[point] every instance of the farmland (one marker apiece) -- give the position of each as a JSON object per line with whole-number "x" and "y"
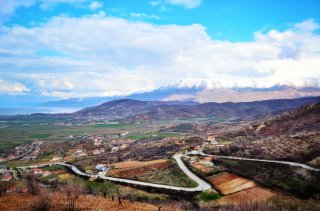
{"x": 228, "y": 183}
{"x": 131, "y": 169}
{"x": 292, "y": 180}
{"x": 20, "y": 132}
{"x": 155, "y": 171}
{"x": 251, "y": 195}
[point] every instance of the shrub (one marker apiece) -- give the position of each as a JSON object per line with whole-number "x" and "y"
{"x": 205, "y": 196}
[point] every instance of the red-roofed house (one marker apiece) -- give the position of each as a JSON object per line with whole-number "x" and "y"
{"x": 37, "y": 171}
{"x": 11, "y": 156}
{"x": 6, "y": 178}
{"x": 12, "y": 190}
{"x": 24, "y": 190}
{"x": 46, "y": 173}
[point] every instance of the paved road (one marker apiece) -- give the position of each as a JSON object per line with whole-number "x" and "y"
{"x": 257, "y": 160}
{"x": 20, "y": 156}
{"x": 202, "y": 185}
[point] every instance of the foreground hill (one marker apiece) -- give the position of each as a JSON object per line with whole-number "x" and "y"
{"x": 292, "y": 135}
{"x": 121, "y": 109}
{"x": 298, "y": 120}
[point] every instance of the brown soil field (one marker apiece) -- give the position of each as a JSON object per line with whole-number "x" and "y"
{"x": 202, "y": 168}
{"x": 130, "y": 169}
{"x": 126, "y": 164}
{"x": 227, "y": 183}
{"x": 249, "y": 196}
{"x": 85, "y": 202}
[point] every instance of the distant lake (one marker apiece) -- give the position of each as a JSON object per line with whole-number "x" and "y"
{"x": 31, "y": 110}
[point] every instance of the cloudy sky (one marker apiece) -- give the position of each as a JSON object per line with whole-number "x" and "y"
{"x": 56, "y": 49}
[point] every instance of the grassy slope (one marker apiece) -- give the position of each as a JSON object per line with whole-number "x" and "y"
{"x": 171, "y": 175}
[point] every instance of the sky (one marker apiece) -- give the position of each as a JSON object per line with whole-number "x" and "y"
{"x": 58, "y": 49}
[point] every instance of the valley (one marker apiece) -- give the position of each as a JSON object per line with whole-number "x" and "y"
{"x": 221, "y": 160}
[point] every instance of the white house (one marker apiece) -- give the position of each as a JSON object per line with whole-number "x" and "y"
{"x": 114, "y": 149}
{"x": 101, "y": 167}
{"x": 206, "y": 163}
{"x": 56, "y": 157}
{"x": 96, "y": 152}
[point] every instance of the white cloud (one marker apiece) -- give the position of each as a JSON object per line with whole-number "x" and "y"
{"x": 95, "y": 5}
{"x": 8, "y": 7}
{"x": 164, "y": 5}
{"x": 144, "y": 16}
{"x": 99, "y": 55}
{"x": 14, "y": 88}
{"x": 189, "y": 4}
{"x": 307, "y": 26}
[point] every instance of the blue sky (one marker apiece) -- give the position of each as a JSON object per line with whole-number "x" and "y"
{"x": 225, "y": 20}
{"x": 53, "y": 49}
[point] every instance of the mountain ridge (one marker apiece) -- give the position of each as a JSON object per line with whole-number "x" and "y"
{"x": 128, "y": 108}
{"x": 198, "y": 94}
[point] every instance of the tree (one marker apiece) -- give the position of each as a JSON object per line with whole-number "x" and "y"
{"x": 119, "y": 196}
{"x": 32, "y": 185}
{"x": 4, "y": 186}
{"x": 43, "y": 202}
{"x": 104, "y": 188}
{"x": 73, "y": 191}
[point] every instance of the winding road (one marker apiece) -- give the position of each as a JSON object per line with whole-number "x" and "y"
{"x": 257, "y": 160}
{"x": 202, "y": 185}
{"x": 18, "y": 157}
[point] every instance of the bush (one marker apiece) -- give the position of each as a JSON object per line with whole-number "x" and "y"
{"x": 205, "y": 196}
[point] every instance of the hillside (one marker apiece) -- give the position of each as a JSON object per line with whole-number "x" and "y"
{"x": 301, "y": 119}
{"x": 292, "y": 135}
{"x": 127, "y": 108}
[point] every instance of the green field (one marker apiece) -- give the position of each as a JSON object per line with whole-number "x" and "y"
{"x": 171, "y": 175}
{"x": 161, "y": 135}
{"x": 17, "y": 130}
{"x": 120, "y": 125}
{"x": 42, "y": 136}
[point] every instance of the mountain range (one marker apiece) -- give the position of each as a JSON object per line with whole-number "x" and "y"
{"x": 197, "y": 93}
{"x": 135, "y": 109}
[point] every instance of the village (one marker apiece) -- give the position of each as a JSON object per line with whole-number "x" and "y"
{"x": 92, "y": 154}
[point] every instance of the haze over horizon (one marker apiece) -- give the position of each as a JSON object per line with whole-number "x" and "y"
{"x": 60, "y": 49}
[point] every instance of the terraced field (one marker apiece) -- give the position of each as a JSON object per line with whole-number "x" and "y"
{"x": 202, "y": 168}
{"x": 249, "y": 196}
{"x": 227, "y": 183}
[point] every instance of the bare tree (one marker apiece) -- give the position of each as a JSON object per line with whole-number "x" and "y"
{"x": 119, "y": 196}
{"x": 32, "y": 185}
{"x": 4, "y": 186}
{"x": 43, "y": 202}
{"x": 73, "y": 191}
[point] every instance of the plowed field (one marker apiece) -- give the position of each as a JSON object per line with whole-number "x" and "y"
{"x": 227, "y": 183}
{"x": 130, "y": 169}
{"x": 249, "y": 196}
